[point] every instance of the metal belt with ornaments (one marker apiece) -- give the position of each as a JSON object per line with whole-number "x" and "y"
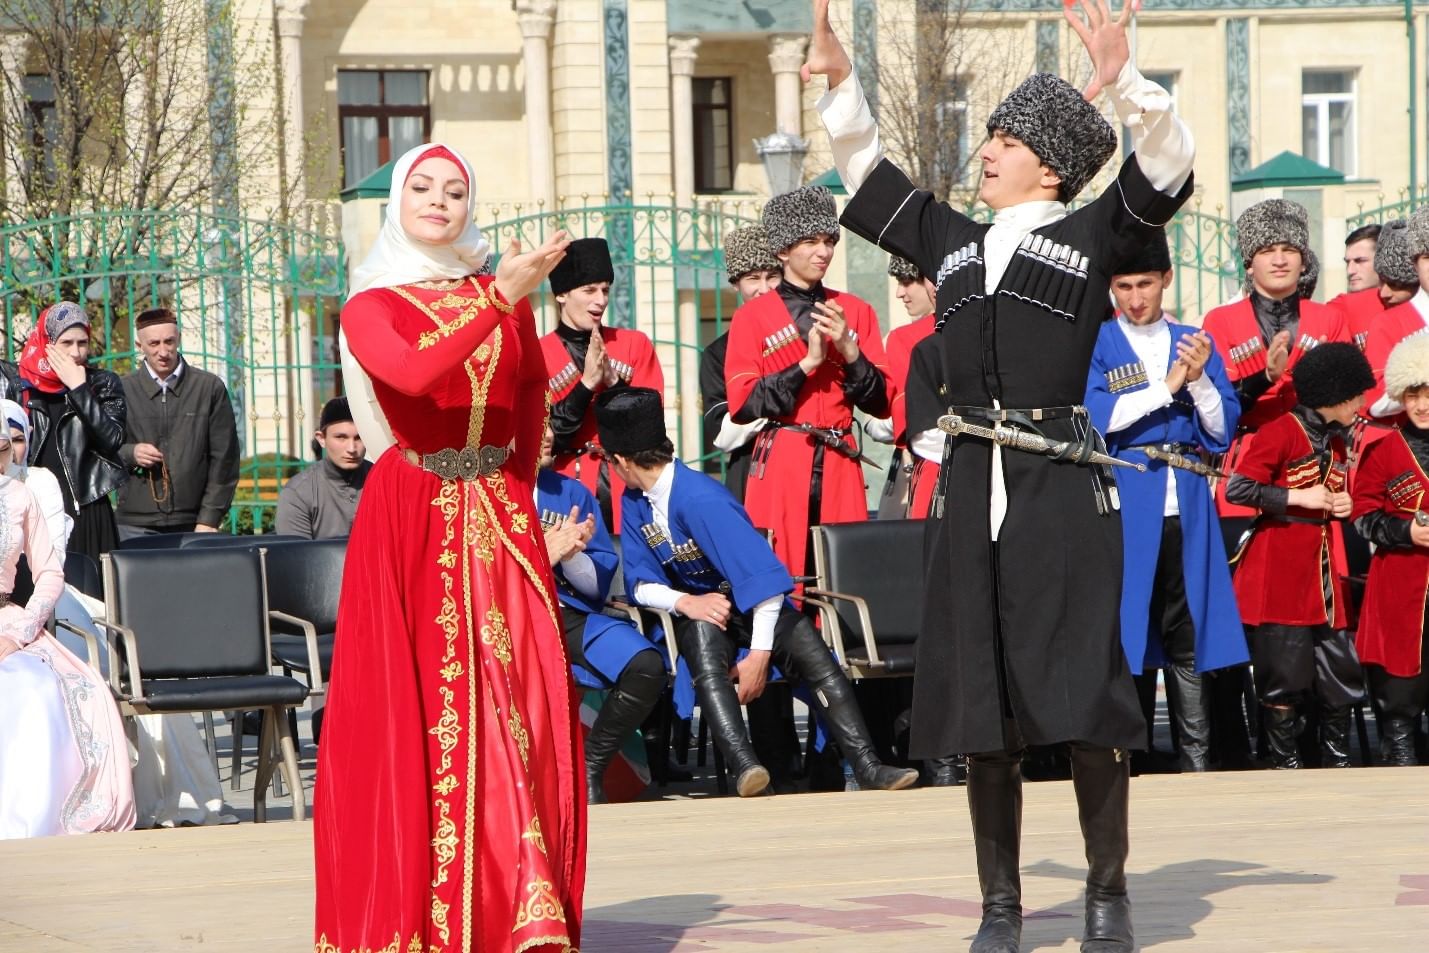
{"x": 467, "y": 464}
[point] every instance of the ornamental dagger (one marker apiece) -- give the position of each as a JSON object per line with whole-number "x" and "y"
{"x": 1027, "y": 442}
{"x": 1182, "y": 462}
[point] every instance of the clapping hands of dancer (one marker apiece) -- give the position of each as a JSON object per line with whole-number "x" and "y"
{"x": 1278, "y": 356}
{"x": 1192, "y": 353}
{"x": 1104, "y": 37}
{"x": 827, "y": 56}
{"x": 830, "y": 320}
{"x": 597, "y": 371}
{"x": 521, "y": 273}
{"x": 569, "y": 536}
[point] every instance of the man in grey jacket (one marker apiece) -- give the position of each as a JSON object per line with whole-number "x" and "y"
{"x": 321, "y": 501}
{"x": 181, "y": 443}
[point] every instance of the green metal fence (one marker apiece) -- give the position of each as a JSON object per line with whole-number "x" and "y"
{"x": 257, "y": 303}
{"x": 1387, "y": 212}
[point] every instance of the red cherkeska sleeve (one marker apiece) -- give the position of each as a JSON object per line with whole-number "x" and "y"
{"x": 742, "y": 368}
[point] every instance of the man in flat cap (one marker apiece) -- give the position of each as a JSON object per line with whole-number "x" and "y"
{"x": 1021, "y": 641}
{"x": 1160, "y": 393}
{"x": 1402, "y": 320}
{"x": 690, "y": 549}
{"x": 180, "y": 441}
{"x": 585, "y": 356}
{"x": 1263, "y": 336}
{"x": 803, "y": 358}
{"x": 321, "y": 501}
{"x": 1395, "y": 281}
{"x": 752, "y": 270}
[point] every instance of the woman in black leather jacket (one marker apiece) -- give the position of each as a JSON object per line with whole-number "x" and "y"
{"x": 77, "y": 421}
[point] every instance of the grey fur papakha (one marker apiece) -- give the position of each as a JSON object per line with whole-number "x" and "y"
{"x": 803, "y": 213}
{"x": 1049, "y": 116}
{"x": 1272, "y": 222}
{"x": 903, "y": 269}
{"x": 747, "y": 249}
{"x": 1417, "y": 237}
{"x": 1392, "y": 261}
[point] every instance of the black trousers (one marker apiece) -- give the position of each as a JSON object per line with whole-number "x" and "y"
{"x": 1398, "y": 696}
{"x": 1298, "y": 663}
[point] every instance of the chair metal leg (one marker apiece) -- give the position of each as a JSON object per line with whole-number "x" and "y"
{"x": 236, "y": 768}
{"x": 211, "y": 739}
{"x": 271, "y": 717}
{"x": 290, "y": 767}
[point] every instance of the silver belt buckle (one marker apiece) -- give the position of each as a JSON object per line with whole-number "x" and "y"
{"x": 467, "y": 464}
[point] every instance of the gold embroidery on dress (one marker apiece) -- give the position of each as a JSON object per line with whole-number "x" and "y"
{"x": 530, "y": 570}
{"x": 479, "y": 537}
{"x": 531, "y": 944}
{"x": 452, "y": 672}
{"x": 495, "y": 634}
{"x": 520, "y": 736}
{"x": 541, "y": 904}
{"x": 439, "y": 918}
{"x": 447, "y": 502}
{"x": 450, "y": 284}
{"x": 469, "y": 848}
{"x": 468, "y": 310}
{"x": 446, "y": 785}
{"x": 483, "y": 352}
{"x": 534, "y": 835}
{"x": 447, "y": 730}
{"x": 447, "y": 559}
{"x": 448, "y": 618}
{"x": 520, "y": 523}
{"x": 413, "y": 946}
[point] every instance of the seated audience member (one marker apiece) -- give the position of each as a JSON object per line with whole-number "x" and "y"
{"x": 321, "y": 501}
{"x": 607, "y": 646}
{"x": 911, "y": 478}
{"x": 64, "y": 760}
{"x": 1290, "y": 575}
{"x": 1389, "y": 511}
{"x": 691, "y": 549}
{"x": 180, "y": 439}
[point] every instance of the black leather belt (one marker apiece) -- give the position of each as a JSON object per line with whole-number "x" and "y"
{"x": 468, "y": 463}
{"x": 1015, "y": 415}
{"x": 1288, "y": 518}
{"x": 1187, "y": 449}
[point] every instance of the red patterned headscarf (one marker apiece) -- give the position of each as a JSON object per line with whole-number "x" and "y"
{"x": 34, "y": 360}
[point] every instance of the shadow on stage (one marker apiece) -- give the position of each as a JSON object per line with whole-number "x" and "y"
{"x": 1166, "y": 903}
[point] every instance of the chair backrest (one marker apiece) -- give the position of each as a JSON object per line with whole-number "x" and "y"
{"x": 617, "y": 582}
{"x": 305, "y": 579}
{"x": 222, "y": 540}
{"x": 194, "y": 612}
{"x": 158, "y": 541}
{"x": 82, "y": 572}
{"x": 881, "y": 561}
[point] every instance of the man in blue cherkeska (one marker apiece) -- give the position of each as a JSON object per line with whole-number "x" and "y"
{"x": 691, "y": 549}
{"x": 1160, "y": 394}
{"x": 603, "y": 648}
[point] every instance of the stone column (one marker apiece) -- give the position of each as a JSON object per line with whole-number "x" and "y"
{"x": 786, "y": 55}
{"x": 682, "y": 71}
{"x": 536, "y": 18}
{"x": 290, "y": 16}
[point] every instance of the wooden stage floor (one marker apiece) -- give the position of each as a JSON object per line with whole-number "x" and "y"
{"x": 1233, "y": 863}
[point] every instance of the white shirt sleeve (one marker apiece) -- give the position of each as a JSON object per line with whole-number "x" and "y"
{"x": 657, "y": 595}
{"x": 1162, "y": 142}
{"x": 579, "y": 571}
{"x": 1386, "y": 407}
{"x": 766, "y": 617}
{"x": 929, "y": 445}
{"x": 853, "y": 135}
{"x": 1129, "y": 408}
{"x": 879, "y": 430}
{"x": 732, "y": 436}
{"x": 1209, "y": 407}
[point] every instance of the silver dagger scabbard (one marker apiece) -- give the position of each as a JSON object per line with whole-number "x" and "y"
{"x": 1015, "y": 439}
{"x": 1182, "y": 462}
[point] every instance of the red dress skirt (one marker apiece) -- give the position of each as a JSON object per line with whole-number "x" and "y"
{"x": 449, "y": 813}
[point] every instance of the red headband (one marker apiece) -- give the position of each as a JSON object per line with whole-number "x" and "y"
{"x": 440, "y": 152}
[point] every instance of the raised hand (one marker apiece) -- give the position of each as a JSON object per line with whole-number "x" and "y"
{"x": 818, "y": 350}
{"x": 827, "y": 56}
{"x": 521, "y": 273}
{"x": 1194, "y": 351}
{"x": 595, "y": 373}
{"x": 1104, "y": 38}
{"x": 1278, "y": 356}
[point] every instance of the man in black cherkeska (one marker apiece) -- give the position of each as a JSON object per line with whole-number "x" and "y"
{"x": 1024, "y": 563}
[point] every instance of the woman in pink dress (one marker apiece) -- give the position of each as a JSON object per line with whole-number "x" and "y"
{"x": 64, "y": 760}
{"x": 450, "y": 804}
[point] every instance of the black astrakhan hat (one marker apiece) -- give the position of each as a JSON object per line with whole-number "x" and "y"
{"x": 1331, "y": 374}
{"x": 1272, "y": 222}
{"x": 630, "y": 419}
{"x": 803, "y": 213}
{"x": 1392, "y": 261}
{"x": 1155, "y": 256}
{"x": 1052, "y": 118}
{"x": 587, "y": 262}
{"x": 747, "y": 249}
{"x": 903, "y": 269}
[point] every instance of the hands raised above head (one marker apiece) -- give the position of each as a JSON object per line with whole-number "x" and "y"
{"x": 1104, "y": 38}
{"x": 521, "y": 273}
{"x": 827, "y": 56}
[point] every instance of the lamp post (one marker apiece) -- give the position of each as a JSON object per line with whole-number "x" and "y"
{"x": 783, "y": 156}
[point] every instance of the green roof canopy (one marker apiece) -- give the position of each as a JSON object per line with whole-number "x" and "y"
{"x": 377, "y": 185}
{"x": 1287, "y": 170}
{"x": 832, "y": 182}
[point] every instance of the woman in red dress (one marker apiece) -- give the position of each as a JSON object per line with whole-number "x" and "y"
{"x": 450, "y": 804}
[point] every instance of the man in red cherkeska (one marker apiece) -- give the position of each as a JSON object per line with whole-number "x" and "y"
{"x": 1262, "y": 337}
{"x": 804, "y": 358}
{"x": 1395, "y": 281}
{"x": 1401, "y": 321}
{"x": 585, "y": 356}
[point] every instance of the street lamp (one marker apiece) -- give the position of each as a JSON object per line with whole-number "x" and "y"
{"x": 783, "y": 156}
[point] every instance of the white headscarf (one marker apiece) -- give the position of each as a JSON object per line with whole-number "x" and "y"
{"x": 13, "y": 413}
{"x": 398, "y": 259}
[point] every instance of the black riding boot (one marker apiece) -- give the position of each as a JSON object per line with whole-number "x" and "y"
{"x": 708, "y": 652}
{"x": 945, "y": 772}
{"x": 807, "y": 655}
{"x": 1335, "y": 737}
{"x": 1397, "y": 743}
{"x": 1102, "y": 779}
{"x": 626, "y": 707}
{"x": 1193, "y": 722}
{"x": 1282, "y": 730}
{"x": 995, "y": 803}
